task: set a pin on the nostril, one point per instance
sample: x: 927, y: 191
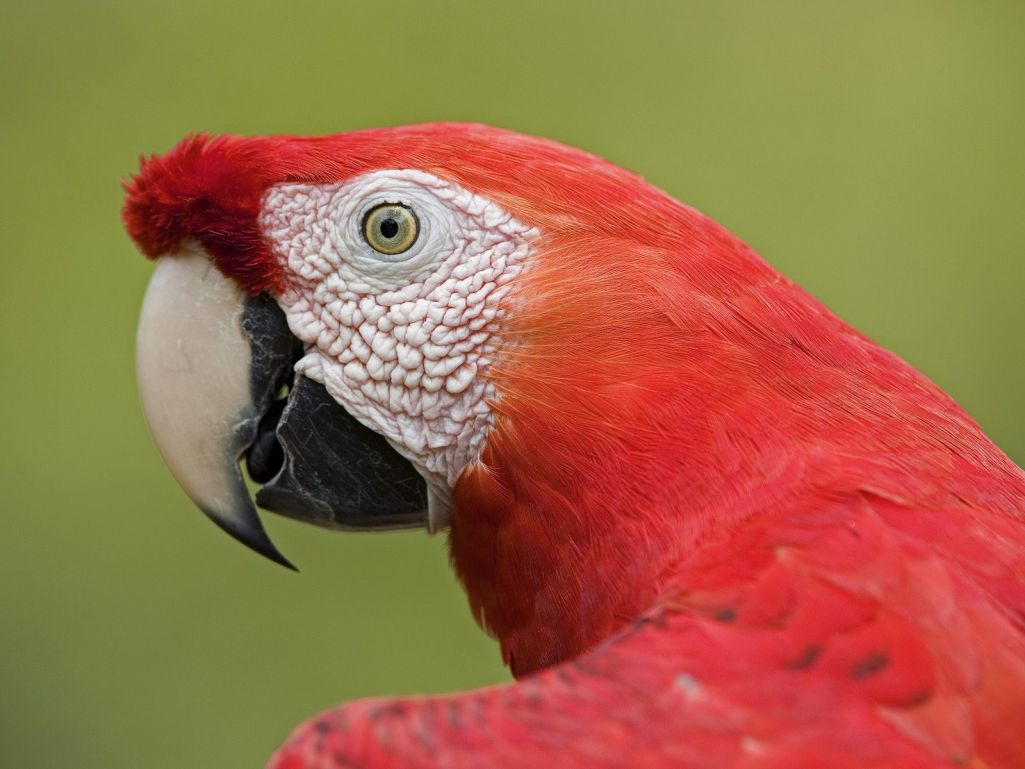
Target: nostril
x: 265, y: 457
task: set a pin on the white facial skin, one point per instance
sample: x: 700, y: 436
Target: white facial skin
x: 401, y: 341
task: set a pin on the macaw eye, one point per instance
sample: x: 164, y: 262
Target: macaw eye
x: 391, y: 228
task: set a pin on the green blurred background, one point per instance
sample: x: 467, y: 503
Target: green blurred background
x: 873, y: 151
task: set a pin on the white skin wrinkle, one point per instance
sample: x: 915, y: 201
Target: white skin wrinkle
x: 401, y: 341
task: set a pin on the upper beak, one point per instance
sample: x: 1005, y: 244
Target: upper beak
x: 212, y: 365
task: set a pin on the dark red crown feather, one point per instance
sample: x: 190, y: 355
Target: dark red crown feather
x: 210, y: 190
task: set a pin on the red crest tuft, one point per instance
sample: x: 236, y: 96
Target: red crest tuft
x: 209, y: 190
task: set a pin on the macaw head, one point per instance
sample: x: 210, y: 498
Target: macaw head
x: 455, y: 325
x: 326, y: 309
x: 336, y: 310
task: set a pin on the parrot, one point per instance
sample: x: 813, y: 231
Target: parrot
x: 709, y: 524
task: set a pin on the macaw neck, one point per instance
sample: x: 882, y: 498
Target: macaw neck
x: 592, y: 491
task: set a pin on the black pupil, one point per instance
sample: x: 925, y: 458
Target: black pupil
x: 389, y: 228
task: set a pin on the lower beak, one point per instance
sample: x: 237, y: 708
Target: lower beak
x: 213, y: 365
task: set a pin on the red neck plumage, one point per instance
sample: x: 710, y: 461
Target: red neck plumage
x: 670, y: 396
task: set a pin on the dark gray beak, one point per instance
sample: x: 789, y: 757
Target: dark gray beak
x: 216, y: 381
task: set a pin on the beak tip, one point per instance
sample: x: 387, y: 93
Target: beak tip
x: 253, y: 537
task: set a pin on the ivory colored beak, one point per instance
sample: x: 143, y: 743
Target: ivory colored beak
x: 202, y: 391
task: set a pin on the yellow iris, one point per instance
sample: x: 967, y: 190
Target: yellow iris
x: 391, y: 228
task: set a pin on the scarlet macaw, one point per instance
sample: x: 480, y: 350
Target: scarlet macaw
x: 710, y: 524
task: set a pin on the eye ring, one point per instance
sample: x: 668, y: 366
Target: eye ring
x: 391, y: 228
